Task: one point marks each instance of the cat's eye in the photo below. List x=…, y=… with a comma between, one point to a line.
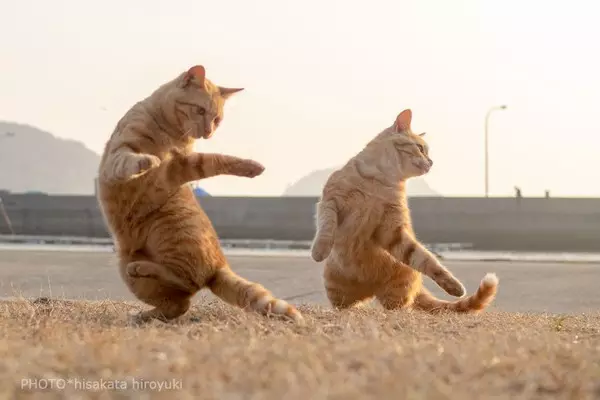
x=217, y=121
x=199, y=110
x=421, y=148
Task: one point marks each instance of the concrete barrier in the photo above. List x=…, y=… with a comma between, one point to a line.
x=533, y=224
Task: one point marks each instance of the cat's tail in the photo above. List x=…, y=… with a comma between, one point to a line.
x=485, y=294
x=238, y=291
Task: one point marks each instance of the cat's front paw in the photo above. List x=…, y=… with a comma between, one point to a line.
x=320, y=251
x=144, y=162
x=452, y=286
x=247, y=168
x=136, y=164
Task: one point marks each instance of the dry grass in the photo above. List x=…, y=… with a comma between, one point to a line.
x=220, y=352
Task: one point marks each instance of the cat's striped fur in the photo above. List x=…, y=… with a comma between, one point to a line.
x=365, y=235
x=167, y=247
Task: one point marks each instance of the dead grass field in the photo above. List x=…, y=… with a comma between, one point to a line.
x=219, y=352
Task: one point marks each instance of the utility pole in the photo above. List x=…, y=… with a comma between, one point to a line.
x=486, y=154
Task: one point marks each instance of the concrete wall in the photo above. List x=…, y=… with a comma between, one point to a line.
x=535, y=224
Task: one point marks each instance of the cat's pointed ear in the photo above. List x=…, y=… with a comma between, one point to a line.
x=422, y=134
x=403, y=121
x=196, y=74
x=227, y=92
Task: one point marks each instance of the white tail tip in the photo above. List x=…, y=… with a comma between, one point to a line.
x=490, y=279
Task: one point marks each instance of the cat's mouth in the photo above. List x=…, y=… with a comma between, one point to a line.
x=422, y=166
x=201, y=132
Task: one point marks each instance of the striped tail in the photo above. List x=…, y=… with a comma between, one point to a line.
x=484, y=295
x=236, y=290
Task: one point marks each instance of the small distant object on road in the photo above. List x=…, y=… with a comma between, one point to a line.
x=518, y=193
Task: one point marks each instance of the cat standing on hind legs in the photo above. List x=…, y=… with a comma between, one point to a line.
x=365, y=236
x=167, y=247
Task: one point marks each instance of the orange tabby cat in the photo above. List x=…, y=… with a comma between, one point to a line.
x=167, y=247
x=365, y=234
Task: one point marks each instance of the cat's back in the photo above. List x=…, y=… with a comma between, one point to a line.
x=133, y=118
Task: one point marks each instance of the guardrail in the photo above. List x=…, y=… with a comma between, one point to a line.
x=270, y=244
x=489, y=224
x=67, y=240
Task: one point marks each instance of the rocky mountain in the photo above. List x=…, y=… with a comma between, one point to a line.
x=312, y=184
x=32, y=160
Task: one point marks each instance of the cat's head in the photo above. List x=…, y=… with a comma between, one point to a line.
x=402, y=150
x=198, y=103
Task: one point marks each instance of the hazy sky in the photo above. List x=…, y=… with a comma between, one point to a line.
x=323, y=77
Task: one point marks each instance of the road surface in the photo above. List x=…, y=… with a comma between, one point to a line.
x=524, y=286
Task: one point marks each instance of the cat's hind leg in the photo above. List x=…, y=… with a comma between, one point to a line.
x=344, y=292
x=399, y=290
x=166, y=309
x=158, y=286
x=152, y=270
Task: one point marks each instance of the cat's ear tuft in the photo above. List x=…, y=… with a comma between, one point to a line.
x=197, y=74
x=422, y=134
x=227, y=92
x=403, y=121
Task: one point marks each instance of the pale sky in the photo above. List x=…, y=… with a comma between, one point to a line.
x=323, y=77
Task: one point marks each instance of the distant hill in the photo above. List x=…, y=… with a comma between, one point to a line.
x=312, y=185
x=37, y=161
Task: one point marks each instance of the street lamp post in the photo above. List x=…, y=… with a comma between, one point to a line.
x=487, y=168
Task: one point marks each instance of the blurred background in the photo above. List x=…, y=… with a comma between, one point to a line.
x=507, y=92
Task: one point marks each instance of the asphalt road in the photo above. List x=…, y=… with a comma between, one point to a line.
x=524, y=286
